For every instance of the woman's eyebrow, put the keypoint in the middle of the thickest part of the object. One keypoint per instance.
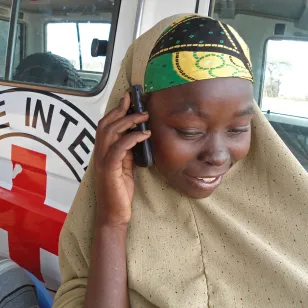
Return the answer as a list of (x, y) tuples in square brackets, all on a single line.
[(247, 111), (188, 108), (191, 109)]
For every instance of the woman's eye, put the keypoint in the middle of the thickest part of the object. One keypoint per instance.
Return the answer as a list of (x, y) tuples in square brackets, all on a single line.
[(189, 134), (238, 130)]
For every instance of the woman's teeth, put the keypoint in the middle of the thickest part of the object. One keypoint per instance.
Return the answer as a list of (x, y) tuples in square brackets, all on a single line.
[(207, 180)]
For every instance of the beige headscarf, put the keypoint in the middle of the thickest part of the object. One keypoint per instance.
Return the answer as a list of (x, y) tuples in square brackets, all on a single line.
[(245, 246)]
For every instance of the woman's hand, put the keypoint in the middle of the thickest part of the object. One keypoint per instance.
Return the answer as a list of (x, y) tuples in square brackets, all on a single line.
[(113, 163)]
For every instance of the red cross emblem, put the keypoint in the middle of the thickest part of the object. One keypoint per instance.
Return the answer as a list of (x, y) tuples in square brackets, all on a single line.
[(30, 223)]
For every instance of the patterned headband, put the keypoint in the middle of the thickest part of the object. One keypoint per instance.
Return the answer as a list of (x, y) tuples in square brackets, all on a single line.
[(196, 48)]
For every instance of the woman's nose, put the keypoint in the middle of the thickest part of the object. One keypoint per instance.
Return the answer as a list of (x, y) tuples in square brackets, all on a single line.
[(215, 152)]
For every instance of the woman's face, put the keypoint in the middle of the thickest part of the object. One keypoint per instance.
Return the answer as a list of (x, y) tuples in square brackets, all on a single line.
[(199, 130)]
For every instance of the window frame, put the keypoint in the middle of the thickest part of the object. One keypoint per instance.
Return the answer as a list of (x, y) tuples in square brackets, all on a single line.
[(263, 69), (77, 22), (105, 75)]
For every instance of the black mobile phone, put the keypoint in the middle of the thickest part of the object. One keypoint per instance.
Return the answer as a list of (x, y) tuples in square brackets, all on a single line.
[(142, 151)]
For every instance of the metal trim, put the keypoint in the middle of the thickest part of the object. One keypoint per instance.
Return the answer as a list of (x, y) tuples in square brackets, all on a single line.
[(10, 52), (204, 7), (197, 6), (79, 46), (138, 21)]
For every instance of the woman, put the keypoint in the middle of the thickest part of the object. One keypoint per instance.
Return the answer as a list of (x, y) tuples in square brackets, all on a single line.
[(220, 220)]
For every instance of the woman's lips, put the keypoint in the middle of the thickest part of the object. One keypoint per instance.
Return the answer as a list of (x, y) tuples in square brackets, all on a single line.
[(205, 183), (208, 180)]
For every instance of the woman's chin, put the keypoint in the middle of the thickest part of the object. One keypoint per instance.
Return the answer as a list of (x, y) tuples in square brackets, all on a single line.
[(195, 193)]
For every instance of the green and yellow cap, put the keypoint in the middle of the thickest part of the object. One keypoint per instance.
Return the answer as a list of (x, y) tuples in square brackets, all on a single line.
[(196, 48)]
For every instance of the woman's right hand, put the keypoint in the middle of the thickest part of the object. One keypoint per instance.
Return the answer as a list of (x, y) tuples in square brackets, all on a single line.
[(113, 163)]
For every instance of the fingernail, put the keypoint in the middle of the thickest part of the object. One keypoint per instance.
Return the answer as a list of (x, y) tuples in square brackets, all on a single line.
[(146, 132), (144, 112)]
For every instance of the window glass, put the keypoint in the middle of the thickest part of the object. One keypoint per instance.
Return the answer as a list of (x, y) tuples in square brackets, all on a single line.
[(79, 51), (64, 45), (275, 32), (97, 30), (285, 88), (58, 40), (4, 33)]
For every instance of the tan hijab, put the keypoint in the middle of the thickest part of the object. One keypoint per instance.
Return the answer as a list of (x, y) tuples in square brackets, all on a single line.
[(245, 246)]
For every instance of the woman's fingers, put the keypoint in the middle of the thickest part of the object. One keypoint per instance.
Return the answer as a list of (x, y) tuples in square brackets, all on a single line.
[(110, 134), (116, 113), (111, 146), (119, 149), (122, 125), (126, 102)]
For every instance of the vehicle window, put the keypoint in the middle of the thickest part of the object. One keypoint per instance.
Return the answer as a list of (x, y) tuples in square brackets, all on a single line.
[(58, 44), (275, 32), (285, 88), (79, 37), (4, 33)]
